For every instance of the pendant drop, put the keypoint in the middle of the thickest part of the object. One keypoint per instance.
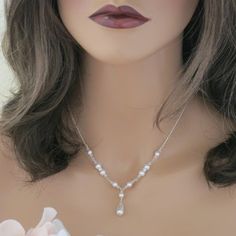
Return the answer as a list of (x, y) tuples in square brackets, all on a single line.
[(121, 208)]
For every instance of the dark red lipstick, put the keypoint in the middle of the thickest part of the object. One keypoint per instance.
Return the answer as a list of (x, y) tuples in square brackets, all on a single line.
[(118, 17)]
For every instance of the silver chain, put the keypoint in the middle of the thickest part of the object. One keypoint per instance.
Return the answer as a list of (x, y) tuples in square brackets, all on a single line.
[(142, 172)]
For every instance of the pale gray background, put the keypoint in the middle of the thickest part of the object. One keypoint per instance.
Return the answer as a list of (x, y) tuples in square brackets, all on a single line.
[(7, 81)]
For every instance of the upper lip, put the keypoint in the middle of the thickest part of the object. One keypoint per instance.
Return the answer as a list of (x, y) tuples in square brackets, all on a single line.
[(121, 10)]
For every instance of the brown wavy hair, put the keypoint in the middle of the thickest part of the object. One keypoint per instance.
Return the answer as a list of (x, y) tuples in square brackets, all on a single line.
[(48, 65)]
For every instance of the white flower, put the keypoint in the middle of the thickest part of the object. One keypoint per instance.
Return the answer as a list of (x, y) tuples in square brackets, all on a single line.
[(47, 226)]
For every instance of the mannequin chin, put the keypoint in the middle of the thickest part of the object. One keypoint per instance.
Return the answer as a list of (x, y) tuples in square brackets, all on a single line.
[(122, 46)]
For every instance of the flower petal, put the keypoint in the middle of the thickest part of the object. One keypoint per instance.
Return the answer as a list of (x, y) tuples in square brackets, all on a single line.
[(58, 225), (49, 214), (63, 232), (11, 227), (38, 232)]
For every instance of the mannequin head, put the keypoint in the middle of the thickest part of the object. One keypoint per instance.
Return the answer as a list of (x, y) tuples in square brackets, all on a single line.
[(45, 44), (168, 21)]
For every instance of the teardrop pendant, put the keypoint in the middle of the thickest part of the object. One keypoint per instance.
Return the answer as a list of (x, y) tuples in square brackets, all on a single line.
[(121, 208)]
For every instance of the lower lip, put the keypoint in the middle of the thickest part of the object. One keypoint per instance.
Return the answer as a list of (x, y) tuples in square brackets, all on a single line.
[(118, 23)]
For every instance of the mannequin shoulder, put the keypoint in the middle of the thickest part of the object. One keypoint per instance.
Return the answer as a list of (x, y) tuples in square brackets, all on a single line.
[(6, 158), (13, 197), (9, 168)]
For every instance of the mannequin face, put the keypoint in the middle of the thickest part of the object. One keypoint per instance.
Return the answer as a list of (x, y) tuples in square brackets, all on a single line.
[(110, 45)]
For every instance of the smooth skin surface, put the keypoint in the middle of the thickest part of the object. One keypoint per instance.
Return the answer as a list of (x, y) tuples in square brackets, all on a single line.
[(128, 74), (173, 199)]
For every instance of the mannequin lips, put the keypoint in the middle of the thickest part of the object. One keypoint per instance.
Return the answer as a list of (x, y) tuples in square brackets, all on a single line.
[(118, 17)]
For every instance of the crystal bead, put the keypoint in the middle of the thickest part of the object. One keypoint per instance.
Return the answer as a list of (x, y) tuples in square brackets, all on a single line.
[(121, 195), (146, 167)]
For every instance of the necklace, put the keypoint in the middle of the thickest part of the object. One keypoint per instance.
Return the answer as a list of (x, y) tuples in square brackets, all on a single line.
[(120, 209)]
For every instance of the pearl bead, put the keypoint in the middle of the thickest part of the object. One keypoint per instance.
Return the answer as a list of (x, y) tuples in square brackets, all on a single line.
[(114, 184), (120, 212), (141, 173), (157, 153), (129, 184), (103, 173), (121, 195), (90, 152)]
